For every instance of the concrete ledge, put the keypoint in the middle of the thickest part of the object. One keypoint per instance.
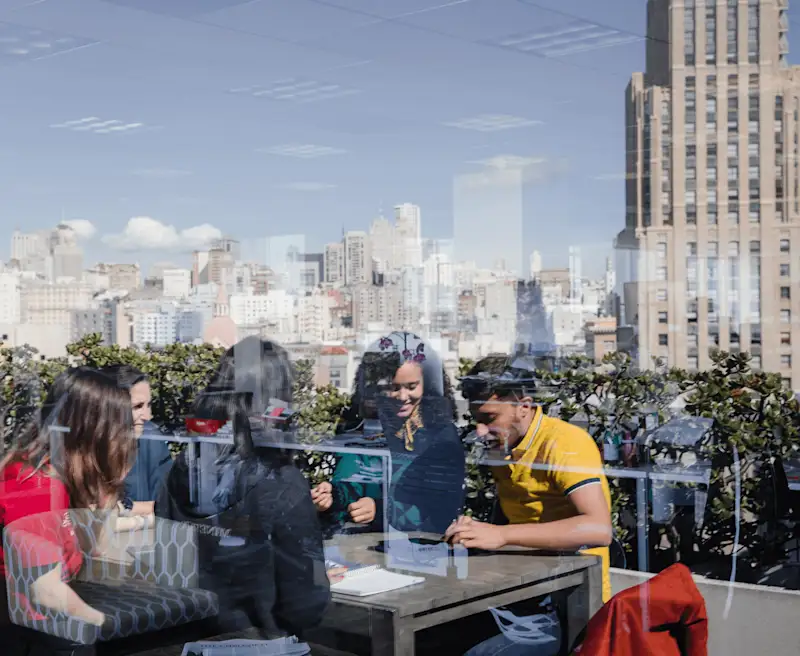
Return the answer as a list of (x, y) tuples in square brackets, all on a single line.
[(761, 620)]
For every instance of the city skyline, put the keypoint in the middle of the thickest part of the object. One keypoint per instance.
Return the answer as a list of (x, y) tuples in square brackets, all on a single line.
[(209, 152)]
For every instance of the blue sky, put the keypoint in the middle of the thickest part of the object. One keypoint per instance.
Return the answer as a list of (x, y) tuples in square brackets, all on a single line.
[(194, 115)]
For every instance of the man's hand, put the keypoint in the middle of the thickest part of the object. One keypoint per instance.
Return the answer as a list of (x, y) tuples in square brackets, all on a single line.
[(322, 496), (475, 535), (362, 511)]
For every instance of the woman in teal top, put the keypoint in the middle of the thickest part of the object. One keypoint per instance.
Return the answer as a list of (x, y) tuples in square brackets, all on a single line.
[(402, 383)]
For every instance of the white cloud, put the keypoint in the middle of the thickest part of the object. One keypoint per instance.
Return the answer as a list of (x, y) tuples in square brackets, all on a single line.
[(82, 228), (492, 123), (302, 151), (144, 233)]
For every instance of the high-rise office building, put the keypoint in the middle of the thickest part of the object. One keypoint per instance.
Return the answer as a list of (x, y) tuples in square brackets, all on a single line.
[(407, 236), (713, 203), (334, 263), (357, 258), (229, 245)]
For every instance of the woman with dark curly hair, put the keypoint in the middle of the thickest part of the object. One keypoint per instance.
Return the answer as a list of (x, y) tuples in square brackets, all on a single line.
[(76, 455), (401, 382)]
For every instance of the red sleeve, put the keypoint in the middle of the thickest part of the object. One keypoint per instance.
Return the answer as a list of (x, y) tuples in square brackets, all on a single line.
[(38, 525), (38, 540)]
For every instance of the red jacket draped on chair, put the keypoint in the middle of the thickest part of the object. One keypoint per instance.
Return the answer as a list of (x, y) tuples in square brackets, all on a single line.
[(664, 616)]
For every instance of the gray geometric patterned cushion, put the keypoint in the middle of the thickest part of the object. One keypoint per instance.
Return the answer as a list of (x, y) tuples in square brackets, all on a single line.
[(130, 609), (135, 608), (167, 596)]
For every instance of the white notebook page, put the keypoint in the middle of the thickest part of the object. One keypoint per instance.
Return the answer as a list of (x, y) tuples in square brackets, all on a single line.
[(373, 580)]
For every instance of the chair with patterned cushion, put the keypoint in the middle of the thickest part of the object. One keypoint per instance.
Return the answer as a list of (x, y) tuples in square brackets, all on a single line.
[(142, 581)]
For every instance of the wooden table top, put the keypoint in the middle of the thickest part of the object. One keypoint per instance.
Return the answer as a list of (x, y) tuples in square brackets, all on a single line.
[(486, 574)]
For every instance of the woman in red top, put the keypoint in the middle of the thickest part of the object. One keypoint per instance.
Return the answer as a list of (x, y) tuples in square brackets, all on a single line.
[(50, 471)]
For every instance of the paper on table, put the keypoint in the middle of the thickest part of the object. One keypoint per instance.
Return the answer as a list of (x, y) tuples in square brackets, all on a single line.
[(278, 647), (373, 580)]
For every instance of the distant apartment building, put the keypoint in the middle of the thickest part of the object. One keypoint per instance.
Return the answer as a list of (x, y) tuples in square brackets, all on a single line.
[(336, 365), (26, 245), (124, 276), (312, 270), (177, 283), (277, 309), (357, 259), (314, 318), (334, 263), (601, 337), (10, 298), (407, 238), (199, 268), (107, 319), (713, 197), (53, 303), (67, 261), (157, 327), (230, 246), (382, 239)]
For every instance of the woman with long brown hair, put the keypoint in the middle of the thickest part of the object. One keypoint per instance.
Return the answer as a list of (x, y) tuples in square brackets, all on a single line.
[(76, 455)]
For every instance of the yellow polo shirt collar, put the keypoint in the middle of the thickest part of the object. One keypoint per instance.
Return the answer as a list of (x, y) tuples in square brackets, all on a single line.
[(530, 435)]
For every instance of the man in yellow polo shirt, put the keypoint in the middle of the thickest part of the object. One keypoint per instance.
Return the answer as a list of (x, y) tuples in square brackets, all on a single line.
[(553, 492)]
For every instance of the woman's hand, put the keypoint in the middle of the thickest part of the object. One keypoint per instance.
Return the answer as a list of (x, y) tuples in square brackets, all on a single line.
[(336, 574), (362, 511), (322, 496), (96, 617)]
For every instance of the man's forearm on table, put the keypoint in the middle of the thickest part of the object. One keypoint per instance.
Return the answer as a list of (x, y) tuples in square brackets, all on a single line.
[(566, 534)]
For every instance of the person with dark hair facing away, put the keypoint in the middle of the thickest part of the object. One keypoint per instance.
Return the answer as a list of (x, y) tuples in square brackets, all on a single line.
[(401, 382), (76, 455), (259, 540), (153, 458), (554, 492)]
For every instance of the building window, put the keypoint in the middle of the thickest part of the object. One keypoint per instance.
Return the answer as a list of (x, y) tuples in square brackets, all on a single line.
[(752, 31), (733, 29), (786, 316), (663, 340), (692, 363), (662, 317), (755, 362), (786, 293), (784, 270), (786, 339), (785, 246), (711, 34), (661, 249), (688, 34), (661, 273), (754, 212), (713, 249), (787, 383), (786, 361), (733, 248), (661, 295), (755, 246)]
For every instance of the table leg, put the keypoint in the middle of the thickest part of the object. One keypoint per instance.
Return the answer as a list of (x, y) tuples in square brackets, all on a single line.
[(389, 636), (582, 603), (642, 525)]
